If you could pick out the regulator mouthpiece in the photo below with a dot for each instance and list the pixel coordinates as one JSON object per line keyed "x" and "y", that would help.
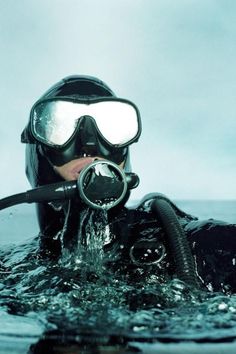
{"x": 102, "y": 185}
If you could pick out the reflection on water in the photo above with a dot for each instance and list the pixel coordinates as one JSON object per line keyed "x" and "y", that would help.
{"x": 83, "y": 303}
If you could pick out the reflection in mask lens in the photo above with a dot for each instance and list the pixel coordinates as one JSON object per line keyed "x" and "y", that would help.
{"x": 54, "y": 122}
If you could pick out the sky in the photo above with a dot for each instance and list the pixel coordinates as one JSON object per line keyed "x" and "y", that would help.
{"x": 175, "y": 59}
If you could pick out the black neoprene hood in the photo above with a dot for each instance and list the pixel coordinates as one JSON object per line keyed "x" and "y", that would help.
{"x": 81, "y": 86}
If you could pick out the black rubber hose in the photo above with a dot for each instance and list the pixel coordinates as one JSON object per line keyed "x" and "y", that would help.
{"x": 13, "y": 200}
{"x": 177, "y": 240}
{"x": 55, "y": 191}
{"x": 50, "y": 192}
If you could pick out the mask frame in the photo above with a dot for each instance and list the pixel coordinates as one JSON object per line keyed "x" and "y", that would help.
{"x": 29, "y": 134}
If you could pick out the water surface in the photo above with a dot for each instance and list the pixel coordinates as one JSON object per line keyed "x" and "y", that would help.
{"x": 80, "y": 304}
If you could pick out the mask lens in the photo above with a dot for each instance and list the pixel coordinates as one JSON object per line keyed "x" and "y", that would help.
{"x": 116, "y": 121}
{"x": 54, "y": 122}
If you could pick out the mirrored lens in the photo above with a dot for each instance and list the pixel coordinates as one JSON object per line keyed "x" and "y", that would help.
{"x": 54, "y": 122}
{"x": 116, "y": 121}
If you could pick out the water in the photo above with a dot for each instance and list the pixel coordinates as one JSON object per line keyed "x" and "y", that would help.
{"x": 81, "y": 303}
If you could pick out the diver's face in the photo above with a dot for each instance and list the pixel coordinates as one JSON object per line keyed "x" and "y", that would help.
{"x": 85, "y": 146}
{"x": 71, "y": 170}
{"x": 73, "y": 132}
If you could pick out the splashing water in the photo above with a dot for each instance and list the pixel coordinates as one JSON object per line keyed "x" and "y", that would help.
{"x": 82, "y": 296}
{"x": 88, "y": 254}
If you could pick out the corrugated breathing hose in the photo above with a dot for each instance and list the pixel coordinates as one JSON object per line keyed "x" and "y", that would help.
{"x": 177, "y": 240}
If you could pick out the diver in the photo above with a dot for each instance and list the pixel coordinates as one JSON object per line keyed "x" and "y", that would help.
{"x": 79, "y": 121}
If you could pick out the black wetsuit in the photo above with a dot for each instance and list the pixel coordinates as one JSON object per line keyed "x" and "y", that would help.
{"x": 212, "y": 242}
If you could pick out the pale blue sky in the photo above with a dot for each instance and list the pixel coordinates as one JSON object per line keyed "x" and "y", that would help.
{"x": 174, "y": 58}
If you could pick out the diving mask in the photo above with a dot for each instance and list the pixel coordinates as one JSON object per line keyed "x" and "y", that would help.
{"x": 54, "y": 122}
